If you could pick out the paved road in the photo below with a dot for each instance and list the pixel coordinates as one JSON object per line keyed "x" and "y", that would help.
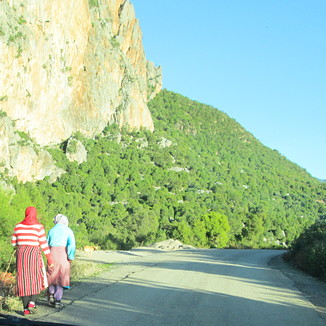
{"x": 189, "y": 287}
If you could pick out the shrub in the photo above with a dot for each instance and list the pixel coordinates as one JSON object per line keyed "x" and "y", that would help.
{"x": 11, "y": 303}
{"x": 308, "y": 251}
{"x": 8, "y": 301}
{"x": 93, "y": 3}
{"x": 7, "y": 284}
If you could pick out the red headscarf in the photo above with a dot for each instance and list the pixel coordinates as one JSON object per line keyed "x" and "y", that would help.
{"x": 30, "y": 216}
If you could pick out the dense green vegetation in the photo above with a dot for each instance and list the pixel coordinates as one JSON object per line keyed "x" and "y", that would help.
{"x": 308, "y": 251}
{"x": 200, "y": 178}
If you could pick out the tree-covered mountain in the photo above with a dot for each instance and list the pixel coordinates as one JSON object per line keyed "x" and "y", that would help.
{"x": 199, "y": 177}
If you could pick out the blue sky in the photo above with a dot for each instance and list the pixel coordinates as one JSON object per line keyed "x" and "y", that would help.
{"x": 261, "y": 62}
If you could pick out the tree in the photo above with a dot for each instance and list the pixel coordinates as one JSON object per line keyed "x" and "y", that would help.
{"x": 308, "y": 251}
{"x": 217, "y": 229}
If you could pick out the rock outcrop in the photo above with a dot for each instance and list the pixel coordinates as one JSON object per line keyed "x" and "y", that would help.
{"x": 76, "y": 65}
{"x": 22, "y": 158}
{"x": 170, "y": 244}
{"x": 76, "y": 151}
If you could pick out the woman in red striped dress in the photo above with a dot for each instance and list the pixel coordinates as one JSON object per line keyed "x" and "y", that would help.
{"x": 29, "y": 237}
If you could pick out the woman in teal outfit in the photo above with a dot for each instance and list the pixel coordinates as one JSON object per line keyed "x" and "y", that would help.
{"x": 62, "y": 244}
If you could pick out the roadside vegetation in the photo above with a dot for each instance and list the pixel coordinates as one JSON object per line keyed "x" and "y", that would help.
{"x": 86, "y": 269}
{"x": 308, "y": 251}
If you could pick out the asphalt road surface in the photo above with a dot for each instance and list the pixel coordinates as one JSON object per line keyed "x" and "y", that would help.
{"x": 187, "y": 287}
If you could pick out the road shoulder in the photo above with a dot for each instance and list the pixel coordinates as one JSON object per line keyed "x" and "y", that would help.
{"x": 313, "y": 289}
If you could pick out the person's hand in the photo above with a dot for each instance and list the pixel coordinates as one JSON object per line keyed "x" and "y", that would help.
{"x": 69, "y": 260}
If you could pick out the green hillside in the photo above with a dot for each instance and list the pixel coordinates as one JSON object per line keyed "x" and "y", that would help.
{"x": 200, "y": 178}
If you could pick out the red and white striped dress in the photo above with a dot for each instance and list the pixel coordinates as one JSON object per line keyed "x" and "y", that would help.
{"x": 29, "y": 239}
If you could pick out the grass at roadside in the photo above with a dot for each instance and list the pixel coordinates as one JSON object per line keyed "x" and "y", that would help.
{"x": 79, "y": 270}
{"x": 8, "y": 300}
{"x": 82, "y": 269}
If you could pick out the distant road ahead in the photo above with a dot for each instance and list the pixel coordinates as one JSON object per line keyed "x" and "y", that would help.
{"x": 194, "y": 287}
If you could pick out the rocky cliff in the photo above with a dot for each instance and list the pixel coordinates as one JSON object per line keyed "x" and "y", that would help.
{"x": 69, "y": 66}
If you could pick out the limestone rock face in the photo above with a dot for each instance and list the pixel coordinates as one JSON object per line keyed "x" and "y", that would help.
{"x": 76, "y": 65}
{"x": 20, "y": 157}
{"x": 73, "y": 65}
